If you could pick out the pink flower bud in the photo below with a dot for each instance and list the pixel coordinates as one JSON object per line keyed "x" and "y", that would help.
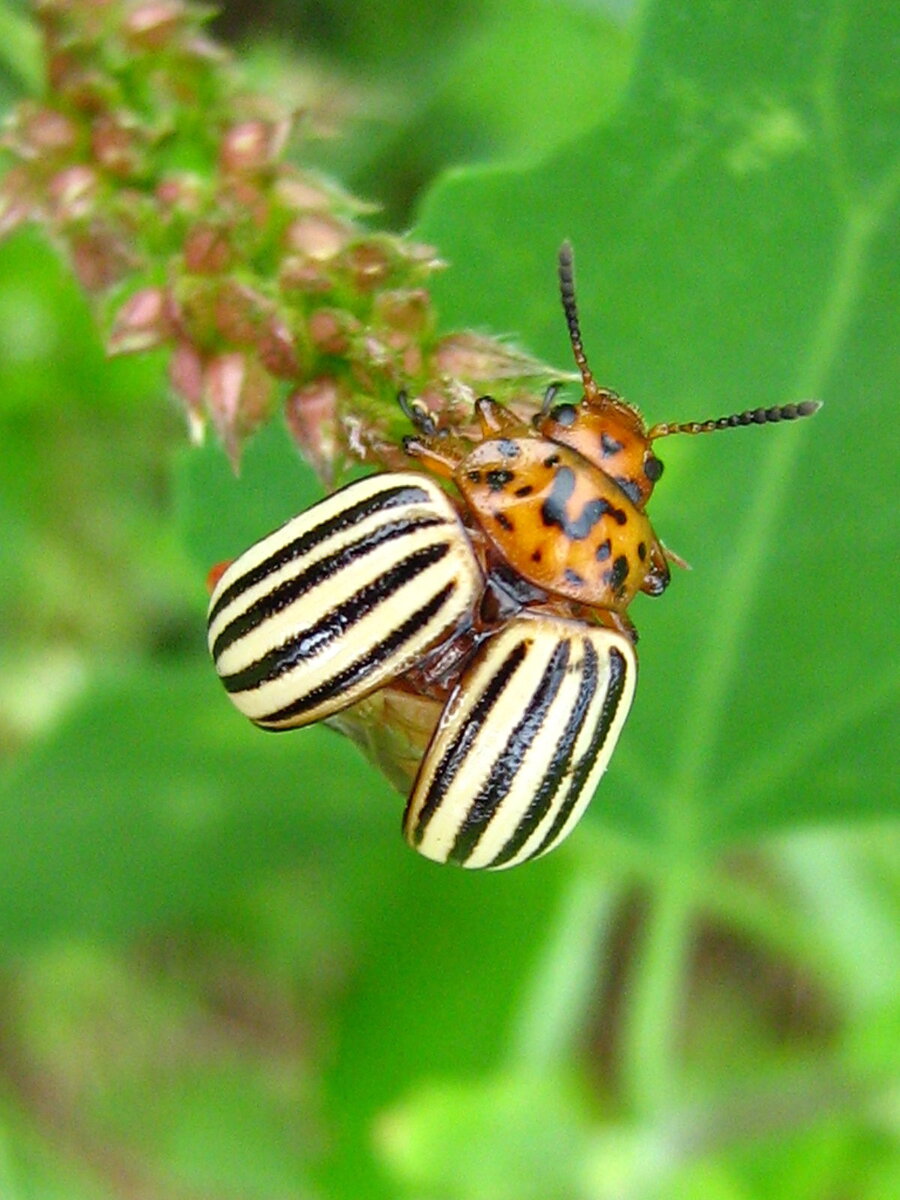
{"x": 186, "y": 374}
{"x": 239, "y": 312}
{"x": 327, "y": 332}
{"x": 252, "y": 146}
{"x": 370, "y": 266}
{"x": 277, "y": 348}
{"x": 293, "y": 191}
{"x": 311, "y": 415}
{"x": 141, "y": 323}
{"x": 470, "y": 357}
{"x": 72, "y": 193}
{"x": 100, "y": 258}
{"x": 207, "y": 250}
{"x": 238, "y": 397}
{"x": 301, "y": 274}
{"x": 404, "y": 311}
{"x": 318, "y": 237}
{"x": 151, "y": 25}
{"x": 114, "y": 146}
{"x": 46, "y": 132}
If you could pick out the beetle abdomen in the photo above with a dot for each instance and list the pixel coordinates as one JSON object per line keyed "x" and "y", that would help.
{"x": 522, "y": 744}
{"x": 341, "y": 599}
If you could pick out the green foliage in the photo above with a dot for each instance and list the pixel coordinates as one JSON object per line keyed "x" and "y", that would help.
{"x": 216, "y": 948}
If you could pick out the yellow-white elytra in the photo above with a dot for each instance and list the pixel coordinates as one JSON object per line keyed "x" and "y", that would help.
{"x": 342, "y": 599}
{"x": 522, "y": 743}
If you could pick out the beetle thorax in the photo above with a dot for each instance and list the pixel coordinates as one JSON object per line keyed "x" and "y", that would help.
{"x": 611, "y": 434}
{"x": 562, "y": 523}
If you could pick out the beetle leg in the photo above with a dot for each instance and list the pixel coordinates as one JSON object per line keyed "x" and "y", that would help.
{"x": 439, "y": 454}
{"x": 497, "y": 421}
{"x": 657, "y": 578}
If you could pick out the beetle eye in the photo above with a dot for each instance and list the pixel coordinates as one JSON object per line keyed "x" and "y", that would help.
{"x": 653, "y": 468}
{"x": 564, "y": 414}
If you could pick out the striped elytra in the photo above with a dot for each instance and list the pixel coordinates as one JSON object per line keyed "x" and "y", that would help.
{"x": 341, "y": 599}
{"x": 524, "y": 739}
{"x": 489, "y": 633}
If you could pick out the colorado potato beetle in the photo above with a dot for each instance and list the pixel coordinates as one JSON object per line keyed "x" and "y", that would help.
{"x": 503, "y": 601}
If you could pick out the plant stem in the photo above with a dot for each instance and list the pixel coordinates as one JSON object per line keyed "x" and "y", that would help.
{"x": 552, "y": 1015}
{"x": 653, "y": 1007}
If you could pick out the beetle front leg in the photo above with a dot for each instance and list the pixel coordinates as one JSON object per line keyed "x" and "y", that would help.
{"x": 497, "y": 421}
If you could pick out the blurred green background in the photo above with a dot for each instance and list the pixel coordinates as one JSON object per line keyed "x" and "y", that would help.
{"x": 222, "y": 973}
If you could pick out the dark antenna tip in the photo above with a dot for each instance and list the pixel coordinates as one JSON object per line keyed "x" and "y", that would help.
{"x": 570, "y": 308}
{"x": 752, "y": 416}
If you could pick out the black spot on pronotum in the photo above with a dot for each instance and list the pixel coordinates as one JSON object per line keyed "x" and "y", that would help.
{"x": 551, "y": 461}
{"x": 609, "y": 445}
{"x": 473, "y": 476}
{"x": 525, "y": 490}
{"x": 497, "y": 480}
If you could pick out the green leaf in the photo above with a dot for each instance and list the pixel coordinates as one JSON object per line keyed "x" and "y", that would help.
{"x": 512, "y": 1138}
{"x": 735, "y": 226}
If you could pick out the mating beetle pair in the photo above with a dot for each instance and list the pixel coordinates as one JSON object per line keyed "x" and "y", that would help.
{"x": 505, "y": 603}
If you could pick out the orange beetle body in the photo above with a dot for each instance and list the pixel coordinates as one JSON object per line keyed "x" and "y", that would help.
{"x": 558, "y": 520}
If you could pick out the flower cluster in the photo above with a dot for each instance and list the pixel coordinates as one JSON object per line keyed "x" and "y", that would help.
{"x": 174, "y": 194}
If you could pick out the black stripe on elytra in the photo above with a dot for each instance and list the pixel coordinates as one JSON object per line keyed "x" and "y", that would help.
{"x": 553, "y": 510}
{"x": 358, "y": 671}
{"x": 559, "y": 763}
{"x": 443, "y": 775}
{"x": 509, "y": 761}
{"x": 334, "y": 624}
{"x": 393, "y": 497}
{"x": 290, "y": 590}
{"x": 615, "y": 686}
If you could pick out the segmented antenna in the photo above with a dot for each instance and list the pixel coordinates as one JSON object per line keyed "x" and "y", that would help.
{"x": 752, "y": 416}
{"x": 570, "y": 308}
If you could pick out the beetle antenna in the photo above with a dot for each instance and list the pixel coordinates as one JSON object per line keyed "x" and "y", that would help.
{"x": 549, "y": 396}
{"x": 570, "y": 308}
{"x": 752, "y": 416}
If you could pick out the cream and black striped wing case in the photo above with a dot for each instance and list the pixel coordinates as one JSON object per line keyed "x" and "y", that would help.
{"x": 522, "y": 743}
{"x": 341, "y": 599}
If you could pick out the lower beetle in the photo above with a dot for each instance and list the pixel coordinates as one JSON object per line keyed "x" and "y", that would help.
{"x": 504, "y": 604}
